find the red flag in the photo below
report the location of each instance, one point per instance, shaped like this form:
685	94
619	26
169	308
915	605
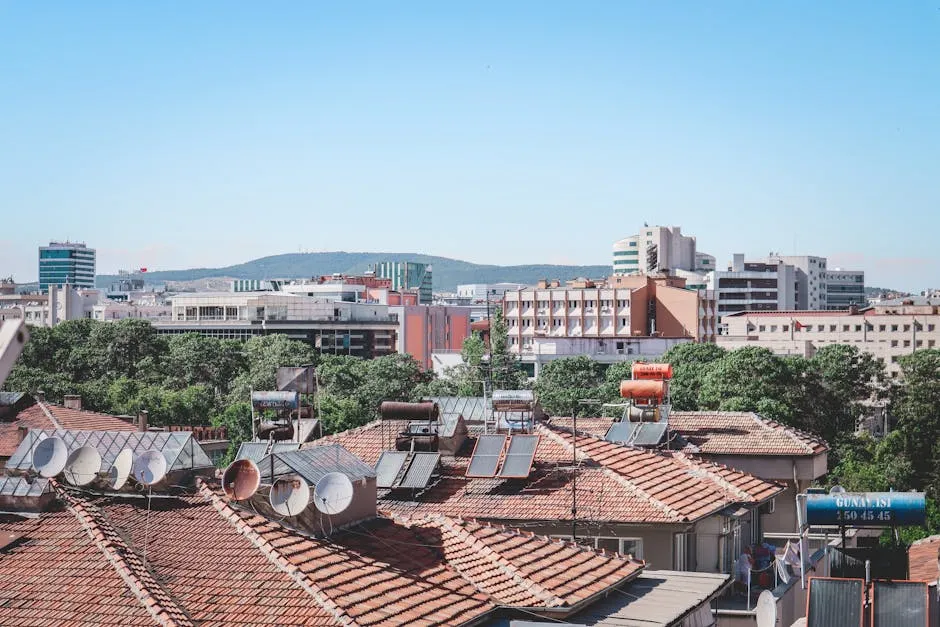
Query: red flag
143	269
797	325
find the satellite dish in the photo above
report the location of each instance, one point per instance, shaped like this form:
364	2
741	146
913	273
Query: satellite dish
333	493
83	465
50	456
766	609
241	480
289	495
149	467
836	489
120	469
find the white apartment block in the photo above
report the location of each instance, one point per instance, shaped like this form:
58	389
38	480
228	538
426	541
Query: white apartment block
811	287
887	331
487	291
753	286
655	249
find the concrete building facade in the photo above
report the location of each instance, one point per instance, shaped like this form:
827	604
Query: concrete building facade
609	319
845	288
887	331
810	284
427	329
654	249
753	286
66	263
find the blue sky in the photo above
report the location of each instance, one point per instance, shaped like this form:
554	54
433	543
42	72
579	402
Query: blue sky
180	134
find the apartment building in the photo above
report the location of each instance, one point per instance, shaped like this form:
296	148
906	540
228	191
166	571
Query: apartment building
845	288
427	329
360	329
887	331
407	275
58	304
810	279
753	286
614	320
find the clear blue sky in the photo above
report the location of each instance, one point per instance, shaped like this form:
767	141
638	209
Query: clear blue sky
180	134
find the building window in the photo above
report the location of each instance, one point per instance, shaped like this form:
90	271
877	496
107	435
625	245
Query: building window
683	553
930	343
881	327
761	328
930	327
894	343
773	328
907	342
894	327
845	328
907	327
786	327
920	343
832	328
820	328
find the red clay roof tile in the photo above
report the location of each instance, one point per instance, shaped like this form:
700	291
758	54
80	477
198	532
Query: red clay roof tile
35	417
924	560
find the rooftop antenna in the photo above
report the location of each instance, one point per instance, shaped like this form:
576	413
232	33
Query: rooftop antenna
333	493
289	495
50	457
241	480
82	465
120	469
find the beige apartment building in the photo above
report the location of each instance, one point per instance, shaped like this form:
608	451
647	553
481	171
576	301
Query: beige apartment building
624	317
887	331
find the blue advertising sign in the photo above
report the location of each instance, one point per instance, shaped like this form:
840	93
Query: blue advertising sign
867	509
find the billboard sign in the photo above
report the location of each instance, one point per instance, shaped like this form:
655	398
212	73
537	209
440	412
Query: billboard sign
867	509
275	400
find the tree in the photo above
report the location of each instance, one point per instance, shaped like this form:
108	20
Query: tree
505	371
264	354
917	407
236	418
751	379
562	383
690	362
195	359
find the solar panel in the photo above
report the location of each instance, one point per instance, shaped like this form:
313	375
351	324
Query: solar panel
486	455
420	471
518	462
899	603
283	447
252	450
637	433
388	468
312	463
834	602
620	432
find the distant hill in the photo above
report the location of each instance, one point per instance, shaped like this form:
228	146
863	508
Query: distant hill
448	273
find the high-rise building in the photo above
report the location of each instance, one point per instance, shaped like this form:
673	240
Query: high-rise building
657	249
845	288
407	275
66	263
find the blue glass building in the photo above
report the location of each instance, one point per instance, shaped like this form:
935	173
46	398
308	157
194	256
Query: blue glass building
62	263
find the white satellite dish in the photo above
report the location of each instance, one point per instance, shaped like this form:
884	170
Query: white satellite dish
333	493
50	457
83	465
241	479
766	609
120	469
836	489
149	467
289	495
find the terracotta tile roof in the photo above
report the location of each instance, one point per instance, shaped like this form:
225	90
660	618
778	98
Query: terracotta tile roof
723	433
615	483
924	560
69	567
34	417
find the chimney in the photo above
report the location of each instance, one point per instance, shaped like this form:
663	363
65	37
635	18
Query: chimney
72	401
142	420
21	432
40	396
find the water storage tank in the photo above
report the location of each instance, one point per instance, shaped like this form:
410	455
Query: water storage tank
643	390
651	372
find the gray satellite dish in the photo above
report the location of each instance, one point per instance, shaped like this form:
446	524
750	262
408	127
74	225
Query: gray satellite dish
766	609
836	489
333	493
289	495
83	465
149	467
50	457
120	469
241	479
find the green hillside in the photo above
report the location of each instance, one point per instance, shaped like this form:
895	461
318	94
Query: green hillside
448	273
